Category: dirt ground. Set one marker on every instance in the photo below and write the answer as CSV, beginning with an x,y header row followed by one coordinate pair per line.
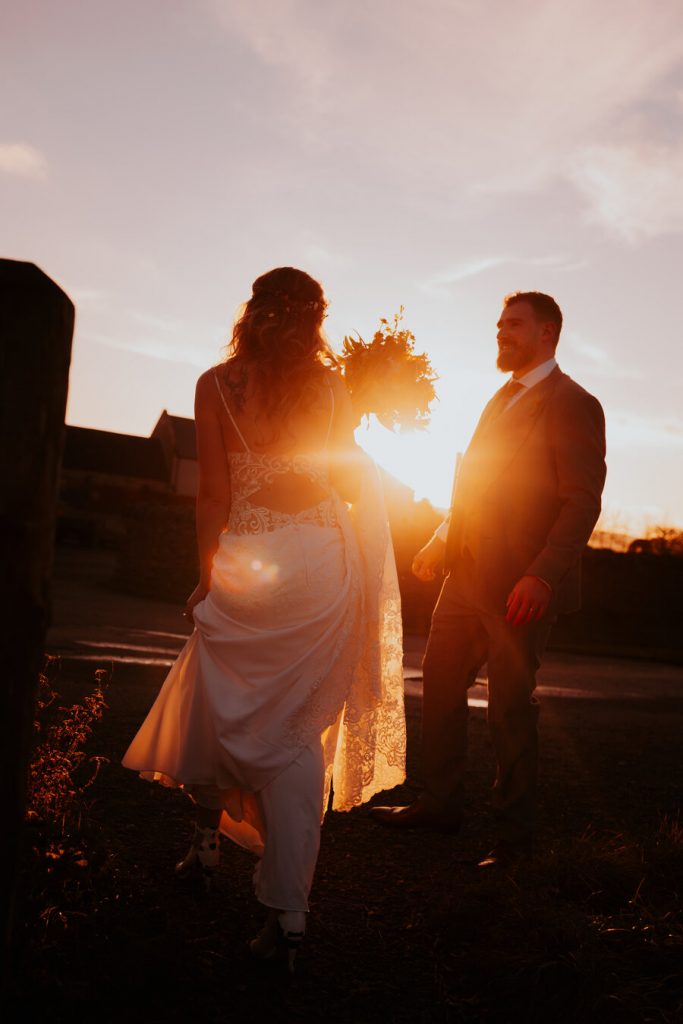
x,y
403,927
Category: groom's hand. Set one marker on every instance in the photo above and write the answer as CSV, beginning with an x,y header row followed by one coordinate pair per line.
x,y
528,601
428,560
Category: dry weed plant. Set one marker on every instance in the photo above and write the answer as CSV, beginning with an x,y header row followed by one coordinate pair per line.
x,y
61,773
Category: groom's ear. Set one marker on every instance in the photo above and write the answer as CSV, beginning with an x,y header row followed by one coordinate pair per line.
x,y
550,333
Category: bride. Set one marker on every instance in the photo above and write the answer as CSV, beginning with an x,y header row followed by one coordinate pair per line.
x,y
290,685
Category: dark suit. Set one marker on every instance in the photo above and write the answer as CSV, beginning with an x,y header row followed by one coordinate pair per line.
x,y
525,503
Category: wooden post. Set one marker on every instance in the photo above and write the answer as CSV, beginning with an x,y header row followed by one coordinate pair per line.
x,y
36,327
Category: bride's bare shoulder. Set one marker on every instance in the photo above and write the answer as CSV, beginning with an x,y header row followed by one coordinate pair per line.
x,y
206,392
207,380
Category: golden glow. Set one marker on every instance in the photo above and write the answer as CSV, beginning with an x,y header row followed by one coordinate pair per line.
x,y
591,216
425,459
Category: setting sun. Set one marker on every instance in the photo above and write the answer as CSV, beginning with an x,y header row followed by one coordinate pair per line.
x,y
422,459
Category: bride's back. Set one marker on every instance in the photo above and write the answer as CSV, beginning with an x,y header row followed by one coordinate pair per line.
x,y
286,451
275,396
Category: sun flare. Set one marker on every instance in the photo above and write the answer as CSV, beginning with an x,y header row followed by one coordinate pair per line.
x,y
425,459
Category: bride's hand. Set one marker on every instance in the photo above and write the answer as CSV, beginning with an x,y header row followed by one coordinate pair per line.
x,y
197,595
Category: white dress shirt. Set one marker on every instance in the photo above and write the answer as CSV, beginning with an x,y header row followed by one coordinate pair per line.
x,y
534,376
529,379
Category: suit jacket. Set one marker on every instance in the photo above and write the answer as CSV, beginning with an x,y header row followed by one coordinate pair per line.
x,y
527,494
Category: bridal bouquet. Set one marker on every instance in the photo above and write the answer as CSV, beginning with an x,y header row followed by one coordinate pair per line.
x,y
386,377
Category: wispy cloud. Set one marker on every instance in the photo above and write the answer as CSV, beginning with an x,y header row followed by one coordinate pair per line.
x,y
586,356
22,160
594,354
626,430
322,254
470,268
154,347
105,320
289,34
91,298
634,191
474,267
481,95
159,323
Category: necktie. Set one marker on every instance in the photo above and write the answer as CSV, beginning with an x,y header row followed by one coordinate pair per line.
x,y
513,387
506,393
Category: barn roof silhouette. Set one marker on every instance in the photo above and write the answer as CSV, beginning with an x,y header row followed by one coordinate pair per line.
x,y
103,451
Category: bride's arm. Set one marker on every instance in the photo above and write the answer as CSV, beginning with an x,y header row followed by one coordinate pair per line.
x,y
213,494
346,458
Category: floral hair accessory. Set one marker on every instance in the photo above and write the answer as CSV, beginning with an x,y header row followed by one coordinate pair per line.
x,y
386,377
285,304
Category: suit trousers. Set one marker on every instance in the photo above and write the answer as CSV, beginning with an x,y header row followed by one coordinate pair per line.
x,y
462,638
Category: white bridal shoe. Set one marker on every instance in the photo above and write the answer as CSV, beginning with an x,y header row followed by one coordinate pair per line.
x,y
203,855
280,937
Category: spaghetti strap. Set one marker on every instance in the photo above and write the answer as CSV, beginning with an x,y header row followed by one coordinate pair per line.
x,y
227,409
329,425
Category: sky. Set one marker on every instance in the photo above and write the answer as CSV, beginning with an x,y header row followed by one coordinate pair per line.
x,y
156,156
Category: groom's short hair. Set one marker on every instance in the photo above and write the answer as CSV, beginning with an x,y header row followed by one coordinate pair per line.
x,y
544,306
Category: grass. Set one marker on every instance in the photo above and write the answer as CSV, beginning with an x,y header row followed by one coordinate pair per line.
x,y
590,931
403,927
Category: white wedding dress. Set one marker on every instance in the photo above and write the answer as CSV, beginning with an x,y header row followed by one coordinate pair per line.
x,y
292,679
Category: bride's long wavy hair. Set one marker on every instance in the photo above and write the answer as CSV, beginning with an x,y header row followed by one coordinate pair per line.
x,y
278,344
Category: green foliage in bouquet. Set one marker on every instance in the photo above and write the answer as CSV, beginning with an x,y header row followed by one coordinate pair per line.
x,y
386,377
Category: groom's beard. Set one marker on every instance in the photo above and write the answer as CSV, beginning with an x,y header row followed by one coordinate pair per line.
x,y
514,357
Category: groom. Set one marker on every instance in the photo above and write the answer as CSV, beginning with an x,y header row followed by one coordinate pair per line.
x,y
526,499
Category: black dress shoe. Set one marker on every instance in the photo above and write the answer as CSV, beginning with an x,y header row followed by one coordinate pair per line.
x,y
506,854
416,815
